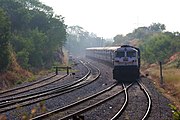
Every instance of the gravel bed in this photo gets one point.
(61, 82)
(104, 111)
(160, 104)
(65, 99)
(92, 101)
(137, 104)
(80, 71)
(160, 109)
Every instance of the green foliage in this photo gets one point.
(156, 45)
(141, 33)
(36, 52)
(78, 40)
(159, 47)
(36, 33)
(156, 48)
(157, 27)
(57, 32)
(176, 113)
(4, 58)
(4, 41)
(119, 39)
(17, 14)
(23, 58)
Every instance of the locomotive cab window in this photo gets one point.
(131, 53)
(119, 54)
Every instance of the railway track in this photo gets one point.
(80, 106)
(139, 106)
(124, 104)
(15, 90)
(83, 105)
(29, 99)
(15, 99)
(53, 78)
(18, 94)
(147, 112)
(32, 87)
(77, 108)
(122, 109)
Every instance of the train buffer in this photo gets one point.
(59, 67)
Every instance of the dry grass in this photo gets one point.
(3, 117)
(40, 108)
(14, 75)
(171, 79)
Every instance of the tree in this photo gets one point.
(141, 33)
(17, 14)
(79, 39)
(36, 53)
(37, 34)
(157, 48)
(118, 39)
(36, 5)
(157, 27)
(4, 41)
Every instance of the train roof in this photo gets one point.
(104, 48)
(114, 48)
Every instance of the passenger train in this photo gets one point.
(125, 60)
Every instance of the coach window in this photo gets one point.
(120, 54)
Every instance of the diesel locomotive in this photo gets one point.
(125, 60)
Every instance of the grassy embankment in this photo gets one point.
(16, 75)
(171, 80)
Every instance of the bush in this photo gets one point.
(176, 113)
(4, 41)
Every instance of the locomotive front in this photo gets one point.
(126, 63)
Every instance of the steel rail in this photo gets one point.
(123, 106)
(35, 87)
(92, 106)
(149, 100)
(56, 93)
(43, 92)
(73, 104)
(24, 86)
(57, 88)
(4, 100)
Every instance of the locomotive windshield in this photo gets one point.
(120, 54)
(131, 53)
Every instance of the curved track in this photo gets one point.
(12, 91)
(85, 104)
(73, 107)
(147, 112)
(124, 105)
(78, 107)
(26, 100)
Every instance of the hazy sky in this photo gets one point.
(107, 18)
